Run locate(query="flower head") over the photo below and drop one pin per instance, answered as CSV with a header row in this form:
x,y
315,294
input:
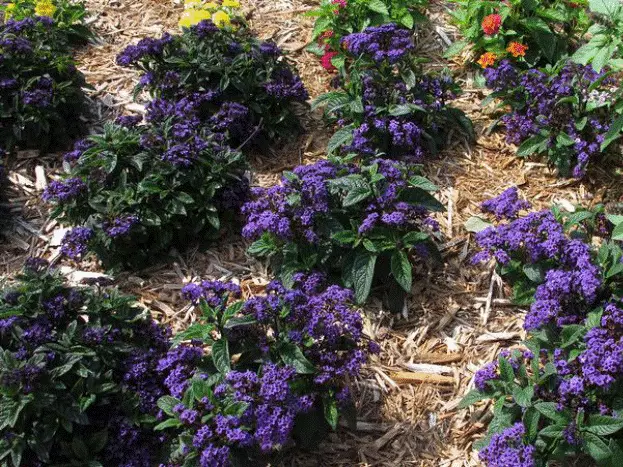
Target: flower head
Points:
x,y
326,62
231,3
221,19
516,49
45,8
491,24
191,17
487,59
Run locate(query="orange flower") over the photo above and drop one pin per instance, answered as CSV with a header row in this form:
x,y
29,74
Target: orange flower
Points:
x,y
516,49
487,59
491,24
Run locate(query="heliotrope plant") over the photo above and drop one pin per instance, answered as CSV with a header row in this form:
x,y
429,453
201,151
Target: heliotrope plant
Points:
x,y
41,98
335,19
557,397
68,356
531,32
69,16
232,64
388,106
568,112
295,349
363,225
138,189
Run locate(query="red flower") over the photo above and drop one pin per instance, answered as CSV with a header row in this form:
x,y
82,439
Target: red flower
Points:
x,y
491,24
325,61
340,4
487,59
516,49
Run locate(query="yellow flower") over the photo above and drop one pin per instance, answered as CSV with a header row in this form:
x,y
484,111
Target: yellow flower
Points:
x,y
8,10
231,3
211,6
192,5
191,17
45,8
221,19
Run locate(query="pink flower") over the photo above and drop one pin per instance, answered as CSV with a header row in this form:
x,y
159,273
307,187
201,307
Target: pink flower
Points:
x,y
325,61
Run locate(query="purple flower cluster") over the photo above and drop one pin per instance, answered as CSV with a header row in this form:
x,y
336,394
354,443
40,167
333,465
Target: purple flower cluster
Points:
x,y
402,134
64,190
507,449
302,205
387,42
543,102
507,205
75,243
120,226
569,289
148,46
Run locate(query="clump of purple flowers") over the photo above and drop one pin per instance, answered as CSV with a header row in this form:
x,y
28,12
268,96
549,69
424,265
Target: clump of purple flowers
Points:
x,y
574,364
298,212
41,94
398,119
274,392
507,449
507,205
244,71
55,335
564,114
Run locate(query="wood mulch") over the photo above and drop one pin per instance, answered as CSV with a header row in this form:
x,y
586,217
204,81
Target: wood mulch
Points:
x,y
457,319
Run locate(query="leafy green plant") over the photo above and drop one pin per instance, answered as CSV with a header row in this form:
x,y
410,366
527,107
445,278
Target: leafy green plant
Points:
x,y
232,64
335,19
364,225
137,190
558,397
64,356
41,98
605,45
69,16
539,32
294,350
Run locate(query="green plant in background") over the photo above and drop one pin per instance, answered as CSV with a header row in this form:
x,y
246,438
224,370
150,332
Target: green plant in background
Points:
x,y
363,225
66,363
335,19
605,45
69,16
41,97
137,190
537,32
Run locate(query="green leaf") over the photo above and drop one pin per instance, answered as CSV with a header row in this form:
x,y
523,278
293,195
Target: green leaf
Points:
x,y
549,410
531,419
362,275
170,423
455,49
424,183
331,414
292,355
407,21
471,398
506,370
596,447
235,322
613,133
220,356
414,237
263,246
617,233
603,425
523,396
401,270
356,195
344,237
534,144
476,224
378,6
604,7
167,403
533,272
342,137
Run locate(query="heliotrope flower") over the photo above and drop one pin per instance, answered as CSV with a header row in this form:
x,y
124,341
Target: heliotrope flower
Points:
x,y
516,49
491,24
487,59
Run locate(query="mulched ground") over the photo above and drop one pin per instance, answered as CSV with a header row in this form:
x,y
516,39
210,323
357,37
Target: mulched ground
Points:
x,y
458,317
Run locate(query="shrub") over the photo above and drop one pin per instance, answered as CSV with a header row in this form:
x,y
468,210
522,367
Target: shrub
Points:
x,y
232,64
294,350
568,112
67,357
136,190
387,105
335,19
366,223
531,32
604,47
41,96
558,398
69,16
